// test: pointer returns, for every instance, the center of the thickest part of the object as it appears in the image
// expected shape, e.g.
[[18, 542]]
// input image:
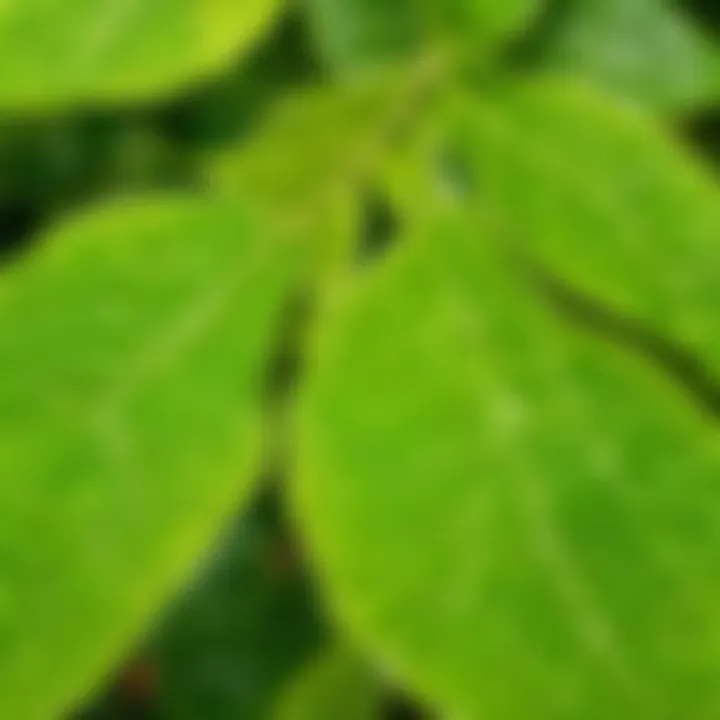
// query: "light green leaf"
[[70, 51], [335, 685], [517, 518], [646, 50], [132, 346], [361, 36], [604, 199]]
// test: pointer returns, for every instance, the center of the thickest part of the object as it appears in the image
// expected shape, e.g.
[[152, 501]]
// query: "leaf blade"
[[76, 52], [130, 429], [604, 199], [496, 501]]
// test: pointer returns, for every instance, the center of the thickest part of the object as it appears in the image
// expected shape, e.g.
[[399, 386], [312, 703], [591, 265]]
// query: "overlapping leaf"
[[68, 51], [602, 197], [645, 50], [517, 515], [359, 36], [315, 142], [320, 150], [133, 348]]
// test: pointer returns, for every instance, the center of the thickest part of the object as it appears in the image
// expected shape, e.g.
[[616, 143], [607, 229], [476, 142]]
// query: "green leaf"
[[515, 517], [336, 685], [604, 199], [75, 51], [133, 348], [319, 151], [361, 36], [354, 35], [646, 50], [315, 142]]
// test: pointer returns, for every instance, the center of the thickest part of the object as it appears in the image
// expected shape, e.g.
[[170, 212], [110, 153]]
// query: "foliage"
[[410, 309]]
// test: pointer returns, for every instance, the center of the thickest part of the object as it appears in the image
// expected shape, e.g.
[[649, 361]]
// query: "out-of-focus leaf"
[[318, 151], [361, 36], [646, 50], [336, 685], [133, 345], [321, 139], [515, 517], [604, 199], [354, 36], [242, 631], [234, 103], [70, 51]]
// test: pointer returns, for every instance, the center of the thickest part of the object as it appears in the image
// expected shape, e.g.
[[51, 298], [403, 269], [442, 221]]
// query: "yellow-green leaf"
[[75, 51], [133, 344]]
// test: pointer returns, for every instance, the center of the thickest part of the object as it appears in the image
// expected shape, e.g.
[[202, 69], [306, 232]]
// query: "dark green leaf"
[[242, 630]]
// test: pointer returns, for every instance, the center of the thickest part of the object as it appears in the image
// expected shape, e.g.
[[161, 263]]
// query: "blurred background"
[[250, 618]]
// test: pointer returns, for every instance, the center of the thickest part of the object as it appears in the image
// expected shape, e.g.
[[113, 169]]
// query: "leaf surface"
[[133, 348], [320, 152], [645, 50], [361, 36], [516, 517], [605, 200], [77, 51]]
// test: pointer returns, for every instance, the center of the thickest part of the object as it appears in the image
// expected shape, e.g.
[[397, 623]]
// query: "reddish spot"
[[138, 682]]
